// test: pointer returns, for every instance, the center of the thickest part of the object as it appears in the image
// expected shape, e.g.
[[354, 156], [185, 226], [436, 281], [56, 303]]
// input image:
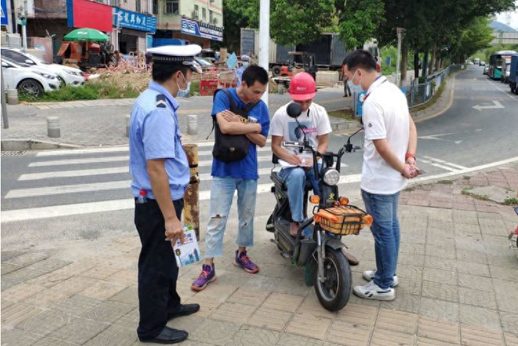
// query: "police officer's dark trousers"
[[157, 269]]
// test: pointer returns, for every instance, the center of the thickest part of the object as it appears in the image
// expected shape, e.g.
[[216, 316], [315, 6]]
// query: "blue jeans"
[[295, 180], [385, 230], [221, 195]]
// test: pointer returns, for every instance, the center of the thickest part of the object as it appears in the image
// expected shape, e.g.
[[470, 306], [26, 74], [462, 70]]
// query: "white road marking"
[[124, 204], [68, 162], [436, 137], [74, 173], [81, 151], [445, 162], [62, 189], [495, 105]]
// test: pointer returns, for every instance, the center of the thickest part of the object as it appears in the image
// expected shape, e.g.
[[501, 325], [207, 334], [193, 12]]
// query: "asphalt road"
[[49, 198]]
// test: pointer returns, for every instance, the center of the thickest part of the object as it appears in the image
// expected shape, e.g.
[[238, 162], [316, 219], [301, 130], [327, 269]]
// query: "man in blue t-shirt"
[[236, 175]]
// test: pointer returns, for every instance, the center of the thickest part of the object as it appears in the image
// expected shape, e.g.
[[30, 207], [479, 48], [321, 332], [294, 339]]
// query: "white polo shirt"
[[385, 116]]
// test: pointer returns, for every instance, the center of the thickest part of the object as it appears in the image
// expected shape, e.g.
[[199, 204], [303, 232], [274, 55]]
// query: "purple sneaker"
[[243, 261], [208, 275]]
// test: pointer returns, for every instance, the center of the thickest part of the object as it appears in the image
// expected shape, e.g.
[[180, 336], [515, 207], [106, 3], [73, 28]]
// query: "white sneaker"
[[373, 291], [369, 276]]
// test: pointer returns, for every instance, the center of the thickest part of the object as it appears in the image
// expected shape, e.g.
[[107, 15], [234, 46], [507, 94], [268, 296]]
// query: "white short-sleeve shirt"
[[385, 116], [313, 122]]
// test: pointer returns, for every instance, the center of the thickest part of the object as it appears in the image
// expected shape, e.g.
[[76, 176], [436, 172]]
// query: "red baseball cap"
[[302, 87]]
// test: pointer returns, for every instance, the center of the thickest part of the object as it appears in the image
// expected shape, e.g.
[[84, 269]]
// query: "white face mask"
[[352, 80], [184, 92]]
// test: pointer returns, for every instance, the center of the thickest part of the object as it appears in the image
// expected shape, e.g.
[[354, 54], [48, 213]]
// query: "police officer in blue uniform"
[[160, 174]]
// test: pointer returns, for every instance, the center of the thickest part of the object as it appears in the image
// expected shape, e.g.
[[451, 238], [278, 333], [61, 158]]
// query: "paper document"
[[188, 252]]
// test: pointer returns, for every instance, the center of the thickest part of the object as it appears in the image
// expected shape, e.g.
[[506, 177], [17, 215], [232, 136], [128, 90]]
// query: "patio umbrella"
[[86, 34]]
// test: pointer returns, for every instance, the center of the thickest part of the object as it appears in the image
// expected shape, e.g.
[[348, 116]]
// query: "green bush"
[[90, 91]]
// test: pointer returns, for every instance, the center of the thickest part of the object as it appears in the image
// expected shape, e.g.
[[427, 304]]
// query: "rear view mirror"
[[516, 210], [294, 110], [29, 61]]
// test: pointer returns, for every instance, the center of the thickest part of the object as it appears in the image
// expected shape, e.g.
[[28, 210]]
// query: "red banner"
[[90, 14]]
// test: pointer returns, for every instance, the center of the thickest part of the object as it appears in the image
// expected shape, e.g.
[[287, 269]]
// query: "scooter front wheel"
[[334, 292]]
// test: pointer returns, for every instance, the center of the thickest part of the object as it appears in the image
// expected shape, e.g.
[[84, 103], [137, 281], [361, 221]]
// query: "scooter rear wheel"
[[335, 291]]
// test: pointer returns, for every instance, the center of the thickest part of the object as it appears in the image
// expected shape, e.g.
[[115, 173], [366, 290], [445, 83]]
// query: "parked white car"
[[28, 80], [67, 75]]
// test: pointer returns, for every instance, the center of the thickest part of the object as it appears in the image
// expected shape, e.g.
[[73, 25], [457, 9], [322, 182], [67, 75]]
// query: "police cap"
[[176, 55]]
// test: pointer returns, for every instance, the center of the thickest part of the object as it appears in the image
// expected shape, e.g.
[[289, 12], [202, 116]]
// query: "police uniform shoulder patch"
[[161, 101]]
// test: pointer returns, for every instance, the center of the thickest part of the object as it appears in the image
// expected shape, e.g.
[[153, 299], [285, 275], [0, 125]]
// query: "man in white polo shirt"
[[388, 161]]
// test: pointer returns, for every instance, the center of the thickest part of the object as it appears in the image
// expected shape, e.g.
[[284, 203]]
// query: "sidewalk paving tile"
[[445, 332], [115, 335], [129, 295], [16, 313], [439, 310], [282, 301], [476, 297], [233, 312], [308, 325], [344, 333], [79, 330], [215, 332], [509, 321], [511, 339], [297, 340], [107, 311], [397, 321], [473, 315], [441, 291], [103, 290], [248, 297], [480, 336], [17, 337], [21, 291], [45, 322], [52, 341], [76, 305], [253, 336], [382, 337], [270, 318]]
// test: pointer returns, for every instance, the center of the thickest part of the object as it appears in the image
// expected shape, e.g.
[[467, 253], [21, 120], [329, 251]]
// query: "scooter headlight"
[[331, 177]]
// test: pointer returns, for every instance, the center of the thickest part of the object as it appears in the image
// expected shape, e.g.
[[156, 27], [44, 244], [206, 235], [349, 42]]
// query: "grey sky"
[[509, 18]]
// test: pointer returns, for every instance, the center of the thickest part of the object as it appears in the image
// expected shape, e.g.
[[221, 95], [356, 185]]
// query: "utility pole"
[[3, 100], [400, 34], [22, 20], [264, 39]]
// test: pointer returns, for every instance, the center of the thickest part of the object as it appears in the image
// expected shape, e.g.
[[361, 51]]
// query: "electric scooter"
[[318, 245]]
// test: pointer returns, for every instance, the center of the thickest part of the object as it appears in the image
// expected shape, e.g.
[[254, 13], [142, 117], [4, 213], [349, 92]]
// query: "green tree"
[[476, 36], [358, 21], [238, 14], [299, 21]]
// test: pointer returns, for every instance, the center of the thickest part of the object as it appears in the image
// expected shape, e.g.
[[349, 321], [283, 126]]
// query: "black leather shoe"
[[168, 336], [184, 310]]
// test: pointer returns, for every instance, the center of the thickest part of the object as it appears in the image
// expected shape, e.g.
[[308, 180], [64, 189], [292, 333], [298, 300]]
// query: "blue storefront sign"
[[5, 14], [200, 29], [133, 20]]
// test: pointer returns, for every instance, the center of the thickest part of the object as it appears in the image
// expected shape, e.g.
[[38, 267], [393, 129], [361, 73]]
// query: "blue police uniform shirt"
[[247, 167], [155, 134]]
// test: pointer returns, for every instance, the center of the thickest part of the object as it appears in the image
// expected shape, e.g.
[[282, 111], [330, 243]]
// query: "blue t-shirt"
[[155, 134], [247, 167]]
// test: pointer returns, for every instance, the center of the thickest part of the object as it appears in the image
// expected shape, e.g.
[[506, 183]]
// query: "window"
[[196, 12], [172, 7], [204, 13], [138, 6], [155, 6], [210, 16]]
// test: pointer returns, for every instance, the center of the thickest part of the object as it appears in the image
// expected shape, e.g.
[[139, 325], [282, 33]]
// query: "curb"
[[31, 144]]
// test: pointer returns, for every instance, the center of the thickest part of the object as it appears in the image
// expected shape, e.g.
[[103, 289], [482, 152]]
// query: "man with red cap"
[[314, 127]]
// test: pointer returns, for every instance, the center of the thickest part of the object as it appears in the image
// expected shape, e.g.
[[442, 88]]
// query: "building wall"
[[201, 10], [505, 38]]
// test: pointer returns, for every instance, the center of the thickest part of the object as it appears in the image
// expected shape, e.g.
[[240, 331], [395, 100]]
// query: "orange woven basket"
[[343, 220]]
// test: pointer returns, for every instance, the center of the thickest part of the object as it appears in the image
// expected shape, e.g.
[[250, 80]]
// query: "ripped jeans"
[[221, 195]]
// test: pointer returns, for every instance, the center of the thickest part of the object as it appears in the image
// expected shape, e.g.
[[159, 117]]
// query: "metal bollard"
[[12, 96], [192, 124], [191, 215], [127, 124], [53, 130]]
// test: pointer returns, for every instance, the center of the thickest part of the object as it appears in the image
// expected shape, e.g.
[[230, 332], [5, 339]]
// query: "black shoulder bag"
[[229, 148]]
